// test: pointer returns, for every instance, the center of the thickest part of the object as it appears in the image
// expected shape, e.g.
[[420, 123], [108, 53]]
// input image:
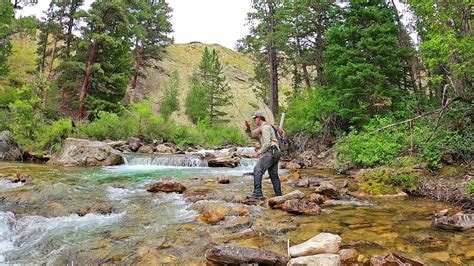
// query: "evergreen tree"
[[6, 19], [209, 91], [364, 62], [170, 102]]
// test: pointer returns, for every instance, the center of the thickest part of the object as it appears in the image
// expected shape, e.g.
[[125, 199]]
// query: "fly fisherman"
[[268, 154]]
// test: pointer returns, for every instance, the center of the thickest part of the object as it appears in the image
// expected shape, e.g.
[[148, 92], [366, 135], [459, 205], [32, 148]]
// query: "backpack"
[[283, 143]]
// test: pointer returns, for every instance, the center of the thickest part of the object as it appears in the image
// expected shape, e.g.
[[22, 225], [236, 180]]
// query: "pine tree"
[[209, 91]]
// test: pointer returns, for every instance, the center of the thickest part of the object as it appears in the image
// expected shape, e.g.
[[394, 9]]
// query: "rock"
[[145, 149], [302, 183], [223, 180], [281, 199], [299, 206], [9, 149], [393, 260], [102, 208], [321, 243], [457, 222], [117, 144], [295, 175], [348, 256], [18, 177], [317, 260], [162, 148], [328, 189], [292, 166], [442, 213], [80, 152], [222, 254], [134, 143], [241, 211], [166, 186], [316, 198], [442, 256], [227, 161], [200, 194], [213, 216]]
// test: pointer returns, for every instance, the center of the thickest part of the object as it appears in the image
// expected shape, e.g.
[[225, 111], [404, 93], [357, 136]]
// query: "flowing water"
[[39, 224]]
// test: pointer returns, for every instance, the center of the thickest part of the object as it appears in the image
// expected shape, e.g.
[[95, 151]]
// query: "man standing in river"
[[268, 154]]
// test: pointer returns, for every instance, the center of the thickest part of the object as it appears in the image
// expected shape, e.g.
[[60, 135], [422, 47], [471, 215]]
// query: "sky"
[[208, 21]]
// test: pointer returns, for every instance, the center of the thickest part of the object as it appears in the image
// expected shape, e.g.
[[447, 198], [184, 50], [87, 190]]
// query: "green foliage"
[[382, 180], [170, 102], [6, 18], [109, 126], [50, 137], [470, 187]]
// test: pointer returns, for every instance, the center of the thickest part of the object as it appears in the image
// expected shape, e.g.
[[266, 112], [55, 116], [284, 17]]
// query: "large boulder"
[[322, 243], [223, 255], [301, 206], [281, 199], [317, 260], [9, 149], [166, 186], [81, 152], [328, 189]]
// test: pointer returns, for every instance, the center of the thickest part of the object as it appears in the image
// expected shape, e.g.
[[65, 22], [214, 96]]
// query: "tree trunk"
[[272, 57], [303, 64], [138, 63], [87, 77], [53, 56], [319, 56]]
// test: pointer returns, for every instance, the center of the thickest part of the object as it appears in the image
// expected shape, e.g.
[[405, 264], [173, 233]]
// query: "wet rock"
[[281, 199], [442, 213], [327, 188], [316, 198], [393, 260], [134, 143], [163, 148], [80, 152], [223, 180], [222, 254], [145, 149], [301, 206], [213, 216], [348, 256], [295, 175], [321, 243], [18, 177], [302, 183], [166, 186], [102, 208], [227, 161], [236, 224], [9, 149], [457, 222], [317, 260]]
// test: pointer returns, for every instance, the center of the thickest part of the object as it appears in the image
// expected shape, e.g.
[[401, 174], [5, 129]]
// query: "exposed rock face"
[[227, 161], [239, 255], [348, 256], [134, 143], [145, 149], [298, 206], [166, 186], [80, 152], [103, 208], [281, 199], [328, 189], [9, 149], [457, 222], [317, 260], [322, 243], [393, 260]]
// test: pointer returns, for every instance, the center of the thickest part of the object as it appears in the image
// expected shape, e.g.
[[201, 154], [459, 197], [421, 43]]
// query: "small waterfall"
[[178, 160]]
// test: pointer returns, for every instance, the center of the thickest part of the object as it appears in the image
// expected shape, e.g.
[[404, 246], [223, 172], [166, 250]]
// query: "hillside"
[[185, 58]]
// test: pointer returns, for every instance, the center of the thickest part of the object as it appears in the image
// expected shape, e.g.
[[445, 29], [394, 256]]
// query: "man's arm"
[[255, 134]]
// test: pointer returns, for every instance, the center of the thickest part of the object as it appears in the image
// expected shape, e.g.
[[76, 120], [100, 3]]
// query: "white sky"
[[208, 21]]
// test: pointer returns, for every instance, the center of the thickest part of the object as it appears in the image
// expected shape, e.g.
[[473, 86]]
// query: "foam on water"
[[179, 160], [7, 184]]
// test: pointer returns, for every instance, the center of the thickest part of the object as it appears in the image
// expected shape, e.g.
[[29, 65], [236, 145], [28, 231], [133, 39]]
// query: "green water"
[[38, 223]]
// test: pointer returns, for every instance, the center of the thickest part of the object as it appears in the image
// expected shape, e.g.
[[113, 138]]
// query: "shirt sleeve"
[[266, 139], [253, 133]]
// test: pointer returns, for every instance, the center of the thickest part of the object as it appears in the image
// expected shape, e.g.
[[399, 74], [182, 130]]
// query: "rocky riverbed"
[[106, 215]]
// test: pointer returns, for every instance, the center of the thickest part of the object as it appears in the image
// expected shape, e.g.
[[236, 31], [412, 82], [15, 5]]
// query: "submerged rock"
[[457, 222], [80, 152], [166, 186], [321, 243], [9, 149], [393, 260], [300, 206], [281, 199], [328, 189], [103, 208], [222, 254], [317, 260]]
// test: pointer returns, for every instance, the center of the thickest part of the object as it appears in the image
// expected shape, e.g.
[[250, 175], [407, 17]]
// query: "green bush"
[[51, 137], [109, 126]]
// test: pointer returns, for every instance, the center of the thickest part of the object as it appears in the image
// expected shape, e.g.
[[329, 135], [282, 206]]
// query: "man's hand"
[[255, 154], [247, 125]]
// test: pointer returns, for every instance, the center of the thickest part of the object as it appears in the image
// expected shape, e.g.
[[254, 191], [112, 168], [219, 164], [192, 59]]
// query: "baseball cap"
[[258, 114]]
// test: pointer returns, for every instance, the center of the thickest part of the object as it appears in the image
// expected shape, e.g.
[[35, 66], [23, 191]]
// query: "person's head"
[[258, 117]]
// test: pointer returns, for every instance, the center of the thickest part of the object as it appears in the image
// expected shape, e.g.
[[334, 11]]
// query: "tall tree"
[[209, 91], [151, 31]]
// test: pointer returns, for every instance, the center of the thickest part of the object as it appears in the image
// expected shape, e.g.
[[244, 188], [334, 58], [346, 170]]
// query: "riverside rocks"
[[457, 222], [80, 152], [163, 148], [317, 260], [9, 149], [222, 254], [166, 186], [299, 206], [281, 199], [321, 243]]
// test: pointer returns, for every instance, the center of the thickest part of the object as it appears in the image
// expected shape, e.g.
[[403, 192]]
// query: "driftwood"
[[233, 255]]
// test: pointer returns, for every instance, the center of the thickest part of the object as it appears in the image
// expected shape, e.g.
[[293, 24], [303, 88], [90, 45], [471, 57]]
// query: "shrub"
[[110, 126], [470, 187], [51, 137]]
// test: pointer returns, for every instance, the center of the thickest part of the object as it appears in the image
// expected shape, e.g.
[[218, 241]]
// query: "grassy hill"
[[185, 58]]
